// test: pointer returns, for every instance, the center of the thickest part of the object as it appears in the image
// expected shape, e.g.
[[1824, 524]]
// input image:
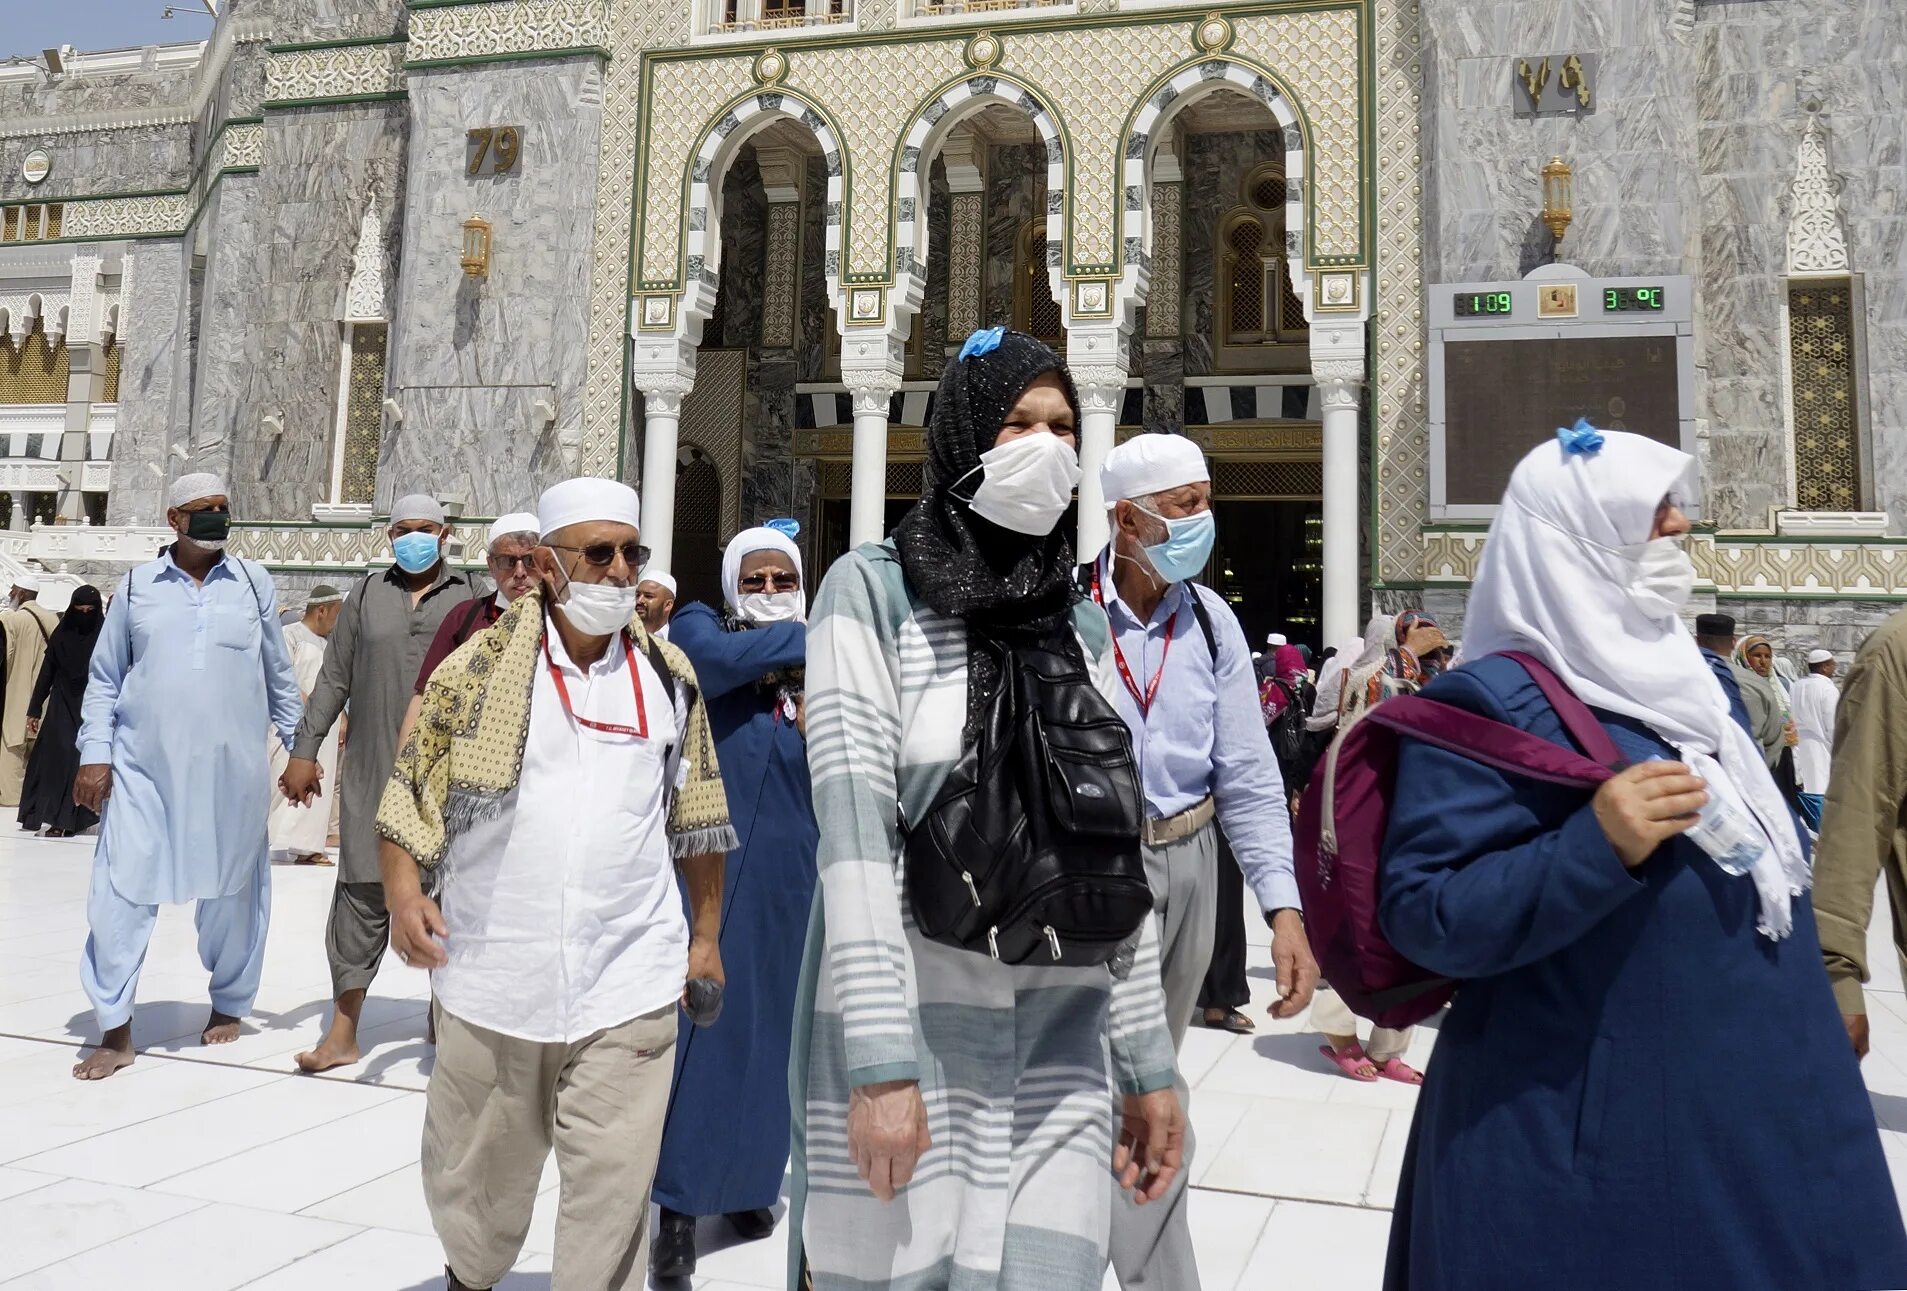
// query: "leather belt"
[[1157, 833]]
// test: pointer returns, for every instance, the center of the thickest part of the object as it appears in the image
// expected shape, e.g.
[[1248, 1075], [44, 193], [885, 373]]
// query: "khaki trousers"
[[496, 1107], [1331, 1017]]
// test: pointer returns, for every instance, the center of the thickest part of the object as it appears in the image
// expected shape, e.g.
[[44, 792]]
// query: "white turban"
[[1151, 463], [1819, 656], [1277, 639], [515, 522], [746, 543], [584, 500], [417, 506], [665, 581], [31, 582], [190, 488]]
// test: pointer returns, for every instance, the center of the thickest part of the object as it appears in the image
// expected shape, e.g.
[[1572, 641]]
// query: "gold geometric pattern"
[[1236, 480], [363, 413], [1827, 455], [115, 354], [1316, 53], [1399, 414], [31, 372]]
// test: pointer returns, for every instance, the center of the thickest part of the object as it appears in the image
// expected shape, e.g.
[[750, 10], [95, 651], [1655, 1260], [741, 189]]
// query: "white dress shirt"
[[1813, 702], [561, 911]]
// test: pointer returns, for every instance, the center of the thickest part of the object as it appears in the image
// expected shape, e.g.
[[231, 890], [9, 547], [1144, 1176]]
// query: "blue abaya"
[[1634, 1087], [725, 1145]]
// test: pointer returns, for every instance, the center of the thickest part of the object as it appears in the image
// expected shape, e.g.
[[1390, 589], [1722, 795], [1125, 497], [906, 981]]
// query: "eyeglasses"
[[514, 562], [603, 554], [775, 582]]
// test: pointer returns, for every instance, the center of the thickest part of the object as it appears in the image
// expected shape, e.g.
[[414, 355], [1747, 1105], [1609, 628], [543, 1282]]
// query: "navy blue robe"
[[725, 1146], [1634, 1088]]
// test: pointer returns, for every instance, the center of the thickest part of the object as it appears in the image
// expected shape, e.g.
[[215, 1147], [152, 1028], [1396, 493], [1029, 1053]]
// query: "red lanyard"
[[1119, 656], [635, 684]]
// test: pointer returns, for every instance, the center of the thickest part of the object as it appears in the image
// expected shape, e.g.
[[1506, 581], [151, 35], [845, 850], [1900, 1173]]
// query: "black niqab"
[[70, 646], [1006, 586]]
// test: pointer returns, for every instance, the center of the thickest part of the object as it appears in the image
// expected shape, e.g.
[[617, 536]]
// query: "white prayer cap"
[[1277, 639], [322, 594], [587, 499], [1152, 463], [27, 582], [515, 522], [1819, 656], [190, 488], [665, 581], [417, 506]]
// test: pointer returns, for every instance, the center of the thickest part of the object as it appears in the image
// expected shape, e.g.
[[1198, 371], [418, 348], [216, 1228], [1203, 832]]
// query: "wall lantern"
[[476, 259], [1559, 204]]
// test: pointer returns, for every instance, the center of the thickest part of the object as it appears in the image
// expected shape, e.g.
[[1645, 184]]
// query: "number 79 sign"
[[493, 150]]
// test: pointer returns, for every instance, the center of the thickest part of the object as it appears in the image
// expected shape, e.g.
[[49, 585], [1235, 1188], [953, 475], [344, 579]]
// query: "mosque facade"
[[342, 250]]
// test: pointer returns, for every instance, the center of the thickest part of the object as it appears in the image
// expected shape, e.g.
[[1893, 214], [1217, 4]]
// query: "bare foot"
[[220, 1028], [333, 1051], [114, 1051]]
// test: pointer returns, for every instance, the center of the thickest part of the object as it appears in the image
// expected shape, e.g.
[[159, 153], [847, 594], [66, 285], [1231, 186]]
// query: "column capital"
[[963, 156], [1339, 381], [1102, 388], [784, 173]]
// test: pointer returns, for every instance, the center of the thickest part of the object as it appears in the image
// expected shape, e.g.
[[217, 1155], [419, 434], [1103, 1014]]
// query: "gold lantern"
[[476, 259], [1559, 199]]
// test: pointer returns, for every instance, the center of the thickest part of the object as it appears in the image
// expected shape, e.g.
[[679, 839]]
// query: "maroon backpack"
[[1341, 822]]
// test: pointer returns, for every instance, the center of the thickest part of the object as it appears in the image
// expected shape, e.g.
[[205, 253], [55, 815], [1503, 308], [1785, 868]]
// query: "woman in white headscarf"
[[725, 1146], [1644, 1081]]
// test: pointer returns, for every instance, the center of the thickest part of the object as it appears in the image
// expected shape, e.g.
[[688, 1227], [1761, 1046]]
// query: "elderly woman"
[[959, 1122], [1643, 1082], [726, 1143]]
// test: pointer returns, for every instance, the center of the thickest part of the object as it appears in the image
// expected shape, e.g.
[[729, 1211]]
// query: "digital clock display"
[[1633, 300], [1480, 304]]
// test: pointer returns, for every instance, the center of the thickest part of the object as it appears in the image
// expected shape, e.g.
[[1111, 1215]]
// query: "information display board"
[[1511, 362]]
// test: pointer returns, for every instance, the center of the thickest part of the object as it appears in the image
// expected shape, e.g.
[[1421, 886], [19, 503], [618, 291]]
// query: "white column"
[[1340, 386], [1101, 393], [662, 417], [867, 506], [18, 523]]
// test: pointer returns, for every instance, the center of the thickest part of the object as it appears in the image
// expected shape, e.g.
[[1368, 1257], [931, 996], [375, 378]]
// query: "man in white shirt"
[[298, 830], [1813, 701], [561, 950], [655, 602]]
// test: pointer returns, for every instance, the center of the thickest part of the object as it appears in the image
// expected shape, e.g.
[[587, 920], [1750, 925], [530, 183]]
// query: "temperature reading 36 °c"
[[1632, 300]]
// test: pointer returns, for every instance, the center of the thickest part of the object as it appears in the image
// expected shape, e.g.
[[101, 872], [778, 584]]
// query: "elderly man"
[[584, 772], [190, 665], [1715, 637], [28, 626], [655, 602], [298, 829], [1199, 740], [1814, 700], [388, 622]]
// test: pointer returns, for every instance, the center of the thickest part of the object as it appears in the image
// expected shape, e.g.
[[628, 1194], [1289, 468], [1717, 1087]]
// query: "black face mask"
[[207, 526]]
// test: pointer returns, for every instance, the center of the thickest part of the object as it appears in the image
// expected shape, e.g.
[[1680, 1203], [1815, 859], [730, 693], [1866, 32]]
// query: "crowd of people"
[[902, 906]]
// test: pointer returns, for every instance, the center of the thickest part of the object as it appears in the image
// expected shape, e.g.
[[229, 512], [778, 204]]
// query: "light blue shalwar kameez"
[[183, 679]]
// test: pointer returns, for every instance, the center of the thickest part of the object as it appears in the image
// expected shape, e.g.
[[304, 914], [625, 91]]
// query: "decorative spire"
[[364, 297], [1817, 238]]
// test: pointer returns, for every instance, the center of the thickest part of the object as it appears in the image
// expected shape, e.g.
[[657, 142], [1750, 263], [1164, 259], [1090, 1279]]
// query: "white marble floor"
[[207, 1169]]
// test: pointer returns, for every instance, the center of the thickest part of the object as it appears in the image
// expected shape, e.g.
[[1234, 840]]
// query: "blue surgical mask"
[[1187, 546], [416, 552]]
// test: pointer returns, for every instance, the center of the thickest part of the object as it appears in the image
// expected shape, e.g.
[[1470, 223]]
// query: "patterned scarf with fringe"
[[465, 752]]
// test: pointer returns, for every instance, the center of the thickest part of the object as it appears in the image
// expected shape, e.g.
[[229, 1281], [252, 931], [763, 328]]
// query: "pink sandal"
[[1402, 1072], [1353, 1062]]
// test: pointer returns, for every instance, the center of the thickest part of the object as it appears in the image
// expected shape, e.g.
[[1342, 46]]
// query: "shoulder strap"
[[1575, 715], [1486, 740], [1204, 617], [38, 622]]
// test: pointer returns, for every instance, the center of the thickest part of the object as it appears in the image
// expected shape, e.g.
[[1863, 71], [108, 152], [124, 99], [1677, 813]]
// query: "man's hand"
[[1297, 970], [705, 960], [413, 920], [301, 781], [801, 714], [33, 728], [1791, 735], [92, 786], [1151, 1146], [1856, 1024], [1646, 806], [887, 1133]]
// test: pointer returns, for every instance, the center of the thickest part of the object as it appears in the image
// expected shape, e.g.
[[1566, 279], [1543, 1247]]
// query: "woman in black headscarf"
[[53, 716], [918, 1063]]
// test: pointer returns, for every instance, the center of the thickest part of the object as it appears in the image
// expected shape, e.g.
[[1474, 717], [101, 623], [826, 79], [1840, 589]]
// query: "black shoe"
[[674, 1253], [753, 1225]]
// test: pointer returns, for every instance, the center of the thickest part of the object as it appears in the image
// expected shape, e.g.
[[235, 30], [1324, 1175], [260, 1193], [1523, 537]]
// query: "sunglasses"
[[602, 555], [514, 562], [778, 582]]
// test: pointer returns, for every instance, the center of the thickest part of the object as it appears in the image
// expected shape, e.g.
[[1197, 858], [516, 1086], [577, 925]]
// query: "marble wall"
[[1016, 193], [331, 19], [222, 362], [817, 311], [153, 283], [99, 161], [930, 325], [1216, 166], [470, 359]]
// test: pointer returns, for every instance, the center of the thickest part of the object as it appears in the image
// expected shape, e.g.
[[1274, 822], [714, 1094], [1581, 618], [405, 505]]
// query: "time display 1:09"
[[1629, 300], [1477, 304]]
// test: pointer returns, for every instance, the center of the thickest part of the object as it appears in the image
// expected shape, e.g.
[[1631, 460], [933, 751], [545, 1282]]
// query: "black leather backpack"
[[1030, 852]]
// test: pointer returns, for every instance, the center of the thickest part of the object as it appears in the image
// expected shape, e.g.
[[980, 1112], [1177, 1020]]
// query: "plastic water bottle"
[[1723, 829]]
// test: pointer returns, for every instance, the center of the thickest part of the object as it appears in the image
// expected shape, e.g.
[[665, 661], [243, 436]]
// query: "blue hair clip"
[[1582, 438], [984, 341]]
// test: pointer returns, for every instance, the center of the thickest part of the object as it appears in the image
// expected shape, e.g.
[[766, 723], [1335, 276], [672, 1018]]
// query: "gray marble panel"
[[737, 321], [149, 330], [932, 322], [226, 356], [1162, 364], [817, 311], [485, 444], [1016, 193], [1216, 167]]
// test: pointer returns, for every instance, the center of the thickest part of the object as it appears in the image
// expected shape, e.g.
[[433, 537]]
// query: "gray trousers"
[[356, 936], [1152, 1244], [497, 1105]]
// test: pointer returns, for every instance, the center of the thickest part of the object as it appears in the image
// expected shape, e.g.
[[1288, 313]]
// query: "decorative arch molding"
[[715, 151], [1149, 121], [945, 108]]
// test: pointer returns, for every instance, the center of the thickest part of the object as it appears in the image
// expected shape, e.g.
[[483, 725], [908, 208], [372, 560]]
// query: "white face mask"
[[1665, 578], [598, 609], [1029, 483], [772, 607]]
